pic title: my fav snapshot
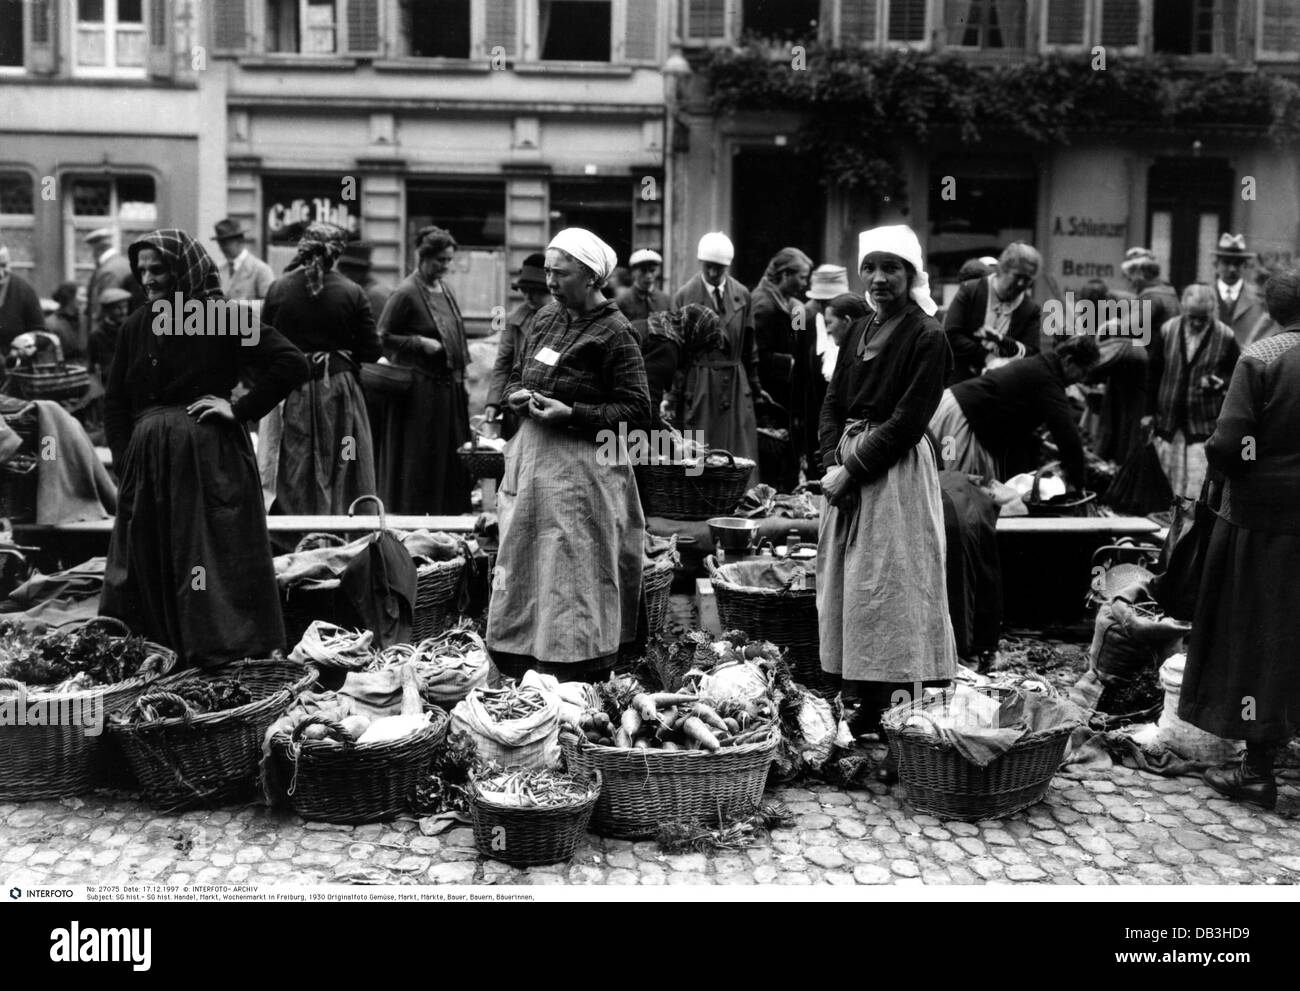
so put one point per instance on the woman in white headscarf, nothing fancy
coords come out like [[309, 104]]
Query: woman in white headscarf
[[881, 594], [567, 586]]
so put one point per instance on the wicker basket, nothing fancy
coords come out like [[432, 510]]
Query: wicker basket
[[201, 760], [943, 783], [483, 462], [437, 587], [643, 789], [656, 587], [667, 491], [54, 761], [367, 782], [786, 617], [526, 837], [55, 381]]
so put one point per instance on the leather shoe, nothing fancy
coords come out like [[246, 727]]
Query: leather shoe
[[1239, 782]]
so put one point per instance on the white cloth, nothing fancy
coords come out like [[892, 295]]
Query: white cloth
[[997, 313], [717, 248], [587, 248], [900, 240], [827, 349]]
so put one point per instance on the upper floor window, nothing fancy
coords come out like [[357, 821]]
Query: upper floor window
[[437, 28], [11, 34], [110, 37], [575, 30], [986, 24], [783, 20], [307, 27], [1195, 27], [907, 21]]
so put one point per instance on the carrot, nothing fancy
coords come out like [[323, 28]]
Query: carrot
[[631, 722], [644, 707], [709, 716], [622, 738], [667, 699], [695, 729]]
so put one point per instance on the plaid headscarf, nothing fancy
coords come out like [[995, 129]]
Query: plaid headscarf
[[319, 248], [196, 273], [693, 328]]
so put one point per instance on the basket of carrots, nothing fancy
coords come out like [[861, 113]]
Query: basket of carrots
[[671, 756], [528, 817]]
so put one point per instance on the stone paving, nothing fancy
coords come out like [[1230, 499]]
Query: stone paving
[[1127, 828]]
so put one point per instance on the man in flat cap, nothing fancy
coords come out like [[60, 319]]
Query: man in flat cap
[[243, 276], [1239, 304], [643, 296], [112, 271]]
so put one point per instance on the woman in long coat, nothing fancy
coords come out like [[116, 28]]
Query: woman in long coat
[[567, 587], [1242, 681], [423, 330], [315, 451], [189, 563], [881, 585]]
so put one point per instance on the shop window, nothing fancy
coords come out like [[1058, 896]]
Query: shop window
[[475, 214], [574, 30], [110, 37], [128, 204], [781, 20], [996, 204], [985, 24], [11, 34], [603, 206], [437, 28], [17, 220], [1195, 27]]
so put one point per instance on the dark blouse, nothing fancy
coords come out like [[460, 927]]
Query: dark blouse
[[597, 367], [339, 319], [897, 391], [151, 369], [412, 311]]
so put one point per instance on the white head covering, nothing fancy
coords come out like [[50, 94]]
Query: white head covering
[[643, 257], [901, 241], [587, 248], [717, 248]]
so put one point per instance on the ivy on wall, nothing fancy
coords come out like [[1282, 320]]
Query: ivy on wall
[[860, 106]]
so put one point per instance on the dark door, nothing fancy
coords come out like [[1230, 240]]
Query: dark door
[[1188, 207], [776, 202]]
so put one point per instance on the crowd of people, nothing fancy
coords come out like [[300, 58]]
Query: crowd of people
[[879, 391]]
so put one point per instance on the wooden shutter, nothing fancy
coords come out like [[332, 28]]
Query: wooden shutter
[[1066, 22], [1121, 23], [1279, 37], [705, 19], [907, 20], [501, 27], [642, 31], [229, 25], [42, 37], [857, 23], [158, 26], [363, 26]]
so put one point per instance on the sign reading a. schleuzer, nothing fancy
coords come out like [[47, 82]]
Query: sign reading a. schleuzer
[[1095, 248]]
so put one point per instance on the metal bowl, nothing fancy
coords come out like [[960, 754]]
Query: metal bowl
[[733, 533]]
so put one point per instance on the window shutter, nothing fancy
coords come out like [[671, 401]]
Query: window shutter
[[502, 27], [1280, 37], [1065, 22], [706, 19], [642, 32], [229, 25], [907, 20], [158, 21], [363, 26], [42, 37], [1229, 10], [857, 23], [1121, 23]]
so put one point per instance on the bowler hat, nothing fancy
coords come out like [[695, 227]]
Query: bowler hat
[[228, 228], [532, 274], [1233, 246]]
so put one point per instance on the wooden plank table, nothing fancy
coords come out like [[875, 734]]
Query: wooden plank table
[[286, 524]]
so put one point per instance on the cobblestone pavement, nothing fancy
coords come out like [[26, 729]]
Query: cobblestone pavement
[[1129, 828]]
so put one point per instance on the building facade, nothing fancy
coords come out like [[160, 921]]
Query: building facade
[[1082, 203]]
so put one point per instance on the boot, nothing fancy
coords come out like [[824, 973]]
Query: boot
[[1249, 780]]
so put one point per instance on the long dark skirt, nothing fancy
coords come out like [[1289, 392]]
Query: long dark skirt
[[1122, 407], [1242, 680], [419, 471], [326, 453], [189, 564]]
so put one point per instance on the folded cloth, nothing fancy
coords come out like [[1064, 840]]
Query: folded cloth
[[322, 567], [73, 485], [52, 600]]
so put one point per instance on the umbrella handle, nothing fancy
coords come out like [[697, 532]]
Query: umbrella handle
[[352, 509]]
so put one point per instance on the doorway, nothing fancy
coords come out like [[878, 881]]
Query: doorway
[[777, 201], [1188, 207]]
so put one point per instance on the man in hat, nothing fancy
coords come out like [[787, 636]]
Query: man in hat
[[1142, 272], [64, 320], [1239, 304], [114, 308], [355, 264], [20, 306], [242, 275], [112, 271], [531, 281], [815, 358], [643, 296]]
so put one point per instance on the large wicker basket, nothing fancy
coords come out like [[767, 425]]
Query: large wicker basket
[[656, 587], [53, 761], [786, 617], [643, 789], [55, 380], [943, 783], [525, 837], [366, 782], [205, 759], [667, 490]]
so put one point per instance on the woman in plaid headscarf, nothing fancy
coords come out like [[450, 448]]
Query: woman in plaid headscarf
[[189, 564]]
